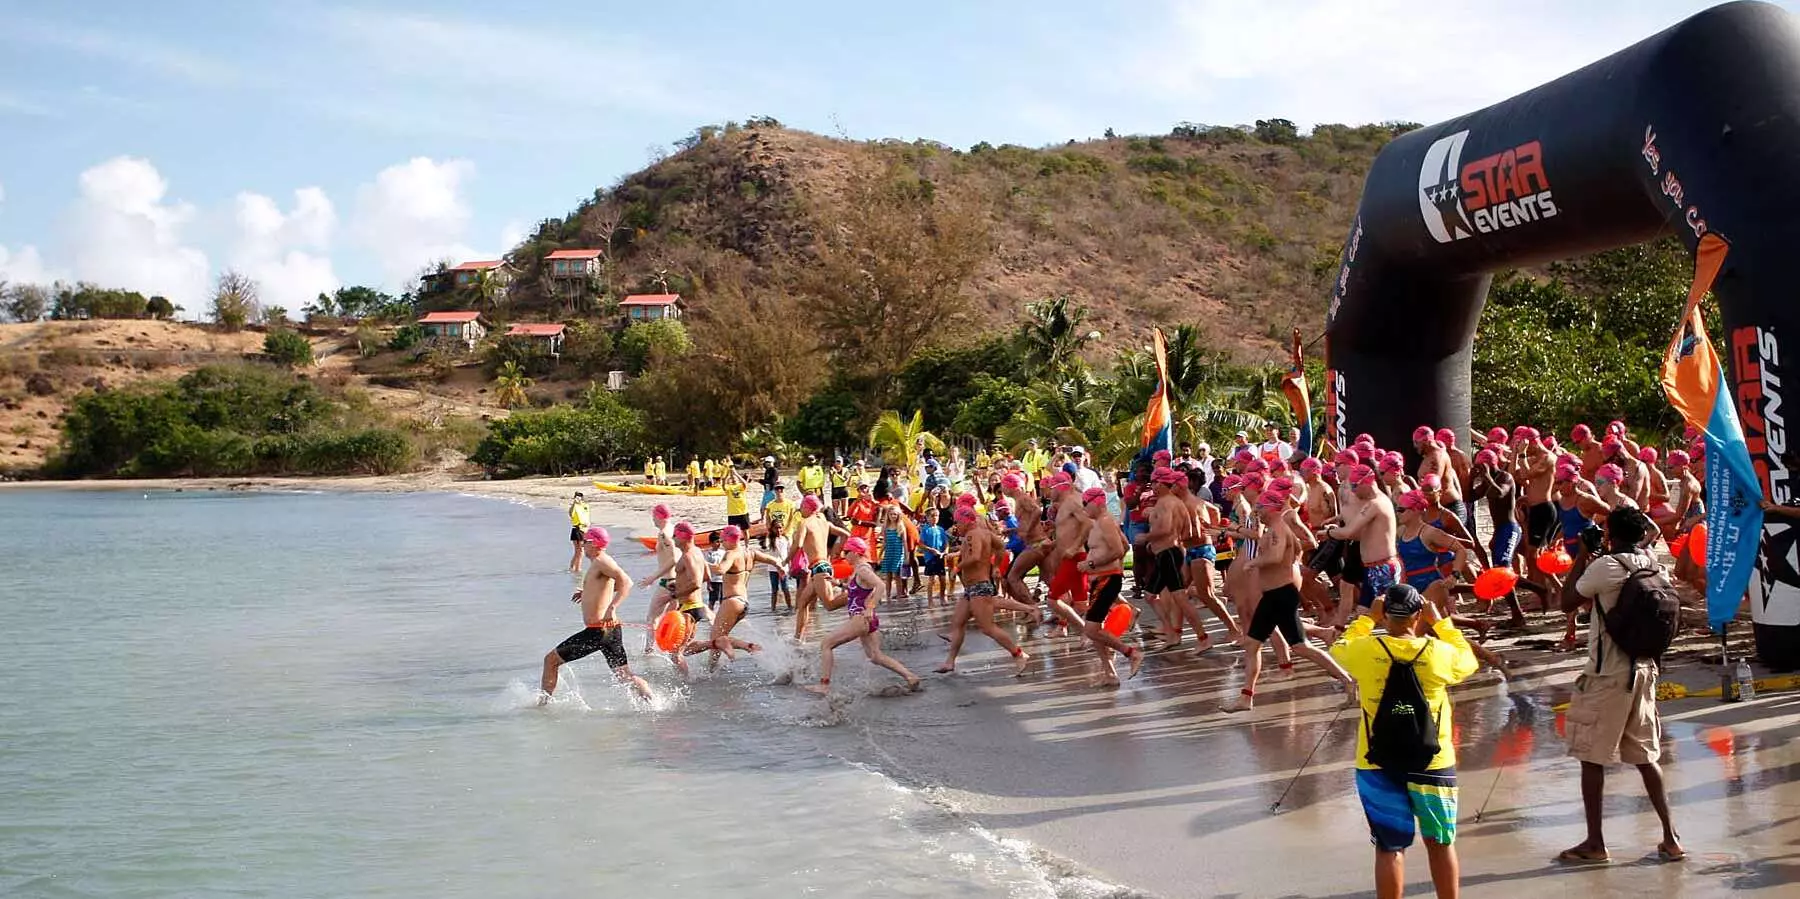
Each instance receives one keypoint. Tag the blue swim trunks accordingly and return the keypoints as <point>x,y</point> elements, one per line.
<point>1504,544</point>
<point>1203,552</point>
<point>1400,805</point>
<point>1376,580</point>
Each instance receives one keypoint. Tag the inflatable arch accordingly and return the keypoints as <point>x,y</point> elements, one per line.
<point>1695,130</point>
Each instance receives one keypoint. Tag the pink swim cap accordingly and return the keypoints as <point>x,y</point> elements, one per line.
<point>964,514</point>
<point>1309,465</point>
<point>1565,474</point>
<point>1430,482</point>
<point>1616,427</point>
<point>1281,485</point>
<point>1581,433</point>
<point>1361,474</point>
<point>731,534</point>
<point>1161,457</point>
<point>1690,432</point>
<point>1243,454</point>
<point>1093,496</point>
<point>1389,463</point>
<point>1002,508</point>
<point>1279,466</point>
<point>1678,459</point>
<point>809,505</point>
<point>659,511</point>
<point>1364,438</point>
<point>1414,500</point>
<point>1233,482</point>
<point>1253,480</point>
<point>1648,454</point>
<point>1166,475</point>
<point>1487,457</point>
<point>1272,500</point>
<point>1012,483</point>
<point>965,499</point>
<point>684,531</point>
<point>1345,457</point>
<point>1255,465</point>
<point>1610,473</point>
<point>856,545</point>
<point>1421,433</point>
<point>1445,436</point>
<point>1496,435</point>
<point>1611,445</point>
<point>597,536</point>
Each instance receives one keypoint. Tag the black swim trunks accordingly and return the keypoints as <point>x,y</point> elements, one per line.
<point>697,613</point>
<point>608,641</point>
<point>576,536</point>
<point>1278,610</point>
<point>1168,571</point>
<point>1354,571</point>
<point>840,493</point>
<point>742,521</point>
<point>1103,592</point>
<point>1540,524</point>
<point>1328,559</point>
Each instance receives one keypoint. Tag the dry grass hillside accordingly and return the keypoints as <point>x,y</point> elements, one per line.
<point>1236,229</point>
<point>45,365</point>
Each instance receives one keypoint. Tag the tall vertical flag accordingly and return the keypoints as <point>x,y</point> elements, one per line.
<point>1294,385</point>
<point>1157,421</point>
<point>1693,379</point>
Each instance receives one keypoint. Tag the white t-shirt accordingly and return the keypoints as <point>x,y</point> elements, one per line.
<point>1281,450</point>
<point>1086,478</point>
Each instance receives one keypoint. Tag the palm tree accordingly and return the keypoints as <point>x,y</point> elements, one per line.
<point>487,288</point>
<point>900,441</point>
<point>510,385</point>
<point>1053,338</point>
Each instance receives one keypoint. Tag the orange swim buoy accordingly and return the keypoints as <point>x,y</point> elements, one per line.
<point>1119,618</point>
<point>1495,583</point>
<point>1696,545</point>
<point>1555,560</point>
<point>672,630</point>
<point>842,569</point>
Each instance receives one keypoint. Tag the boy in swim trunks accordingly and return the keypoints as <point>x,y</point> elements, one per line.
<point>603,590</point>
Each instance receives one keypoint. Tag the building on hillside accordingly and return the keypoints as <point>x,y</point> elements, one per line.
<point>549,334</point>
<point>649,307</point>
<point>465,328</point>
<point>468,275</point>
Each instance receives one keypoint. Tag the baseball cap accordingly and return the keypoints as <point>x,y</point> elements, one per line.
<point>1244,434</point>
<point>1402,601</point>
<point>1077,451</point>
<point>780,486</point>
<point>769,459</point>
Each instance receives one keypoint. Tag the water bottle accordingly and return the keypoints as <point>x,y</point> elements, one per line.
<point>1728,691</point>
<point>1746,685</point>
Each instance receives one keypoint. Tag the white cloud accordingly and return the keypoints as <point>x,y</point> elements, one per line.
<point>272,247</point>
<point>413,214</point>
<point>1329,61</point>
<point>123,233</point>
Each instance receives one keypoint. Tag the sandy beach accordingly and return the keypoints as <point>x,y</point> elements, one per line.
<point>1152,788</point>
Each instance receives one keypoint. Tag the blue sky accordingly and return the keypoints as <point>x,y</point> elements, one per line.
<point>311,144</point>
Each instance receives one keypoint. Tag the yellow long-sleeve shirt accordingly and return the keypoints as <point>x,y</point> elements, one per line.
<point>1449,661</point>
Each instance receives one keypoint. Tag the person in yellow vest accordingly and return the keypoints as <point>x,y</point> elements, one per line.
<point>709,472</point>
<point>737,505</point>
<point>1035,460</point>
<point>839,477</point>
<point>855,485</point>
<point>649,469</point>
<point>812,478</point>
<point>661,473</point>
<point>693,473</point>
<point>578,525</point>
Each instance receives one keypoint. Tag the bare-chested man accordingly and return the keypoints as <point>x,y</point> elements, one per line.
<point>1534,470</point>
<point>1344,564</point>
<point>1582,441</point>
<point>975,565</point>
<point>812,541</point>
<point>1276,570</point>
<point>1435,458</point>
<point>1372,527</point>
<point>1636,482</point>
<point>666,557</point>
<point>734,568</point>
<point>1068,586</point>
<point>689,584</point>
<point>1173,524</point>
<point>603,590</point>
<point>1030,537</point>
<point>1200,557</point>
<point>1105,555</point>
<point>1489,481</point>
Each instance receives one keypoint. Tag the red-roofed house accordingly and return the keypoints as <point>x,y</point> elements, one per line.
<point>550,334</point>
<point>649,307</point>
<point>574,274</point>
<point>466,274</point>
<point>466,328</point>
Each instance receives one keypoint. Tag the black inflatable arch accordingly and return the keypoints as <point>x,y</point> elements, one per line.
<point>1693,130</point>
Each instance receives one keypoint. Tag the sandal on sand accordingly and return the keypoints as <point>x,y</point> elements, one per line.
<point>1583,856</point>
<point>1666,854</point>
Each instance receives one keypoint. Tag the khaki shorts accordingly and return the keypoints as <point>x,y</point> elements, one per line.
<point>1611,720</point>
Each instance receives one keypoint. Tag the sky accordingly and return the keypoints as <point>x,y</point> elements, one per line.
<point>310,145</point>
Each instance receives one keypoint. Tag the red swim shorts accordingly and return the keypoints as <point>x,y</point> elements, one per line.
<point>1069,582</point>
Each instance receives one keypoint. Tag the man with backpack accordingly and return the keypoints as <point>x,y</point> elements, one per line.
<point>1405,755</point>
<point>1612,717</point>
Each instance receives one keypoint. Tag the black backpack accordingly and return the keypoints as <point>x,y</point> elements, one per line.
<point>1645,618</point>
<point>1403,735</point>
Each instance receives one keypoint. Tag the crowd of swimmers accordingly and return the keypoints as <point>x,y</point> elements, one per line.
<point>1302,555</point>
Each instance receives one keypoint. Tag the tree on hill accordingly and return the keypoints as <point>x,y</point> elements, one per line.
<point>161,309</point>
<point>894,259</point>
<point>645,342</point>
<point>288,348</point>
<point>510,385</point>
<point>902,441</point>
<point>25,302</point>
<point>1052,337</point>
<point>235,300</point>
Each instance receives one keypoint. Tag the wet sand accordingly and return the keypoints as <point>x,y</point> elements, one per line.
<point>1151,787</point>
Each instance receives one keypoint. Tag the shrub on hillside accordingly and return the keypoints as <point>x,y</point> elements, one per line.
<point>645,342</point>
<point>288,348</point>
<point>530,356</point>
<point>599,434</point>
<point>407,337</point>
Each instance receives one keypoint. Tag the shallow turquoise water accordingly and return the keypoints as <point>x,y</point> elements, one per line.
<point>213,694</point>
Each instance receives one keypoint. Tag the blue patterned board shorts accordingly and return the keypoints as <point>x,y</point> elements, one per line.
<point>1399,806</point>
<point>1376,581</point>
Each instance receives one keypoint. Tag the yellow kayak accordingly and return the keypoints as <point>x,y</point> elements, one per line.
<point>656,490</point>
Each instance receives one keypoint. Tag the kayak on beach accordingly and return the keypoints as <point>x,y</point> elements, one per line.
<point>656,489</point>
<point>703,539</point>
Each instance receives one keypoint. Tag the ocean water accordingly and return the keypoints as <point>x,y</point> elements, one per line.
<point>262,694</point>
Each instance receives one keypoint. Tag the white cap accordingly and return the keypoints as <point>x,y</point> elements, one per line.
<point>769,459</point>
<point>1077,451</point>
<point>1205,447</point>
<point>1244,434</point>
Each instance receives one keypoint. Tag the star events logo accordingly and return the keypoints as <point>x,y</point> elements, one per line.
<point>1493,193</point>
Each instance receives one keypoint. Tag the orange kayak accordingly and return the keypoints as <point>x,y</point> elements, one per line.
<point>702,539</point>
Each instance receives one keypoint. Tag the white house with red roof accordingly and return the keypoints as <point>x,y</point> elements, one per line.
<point>550,334</point>
<point>649,307</point>
<point>466,328</point>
